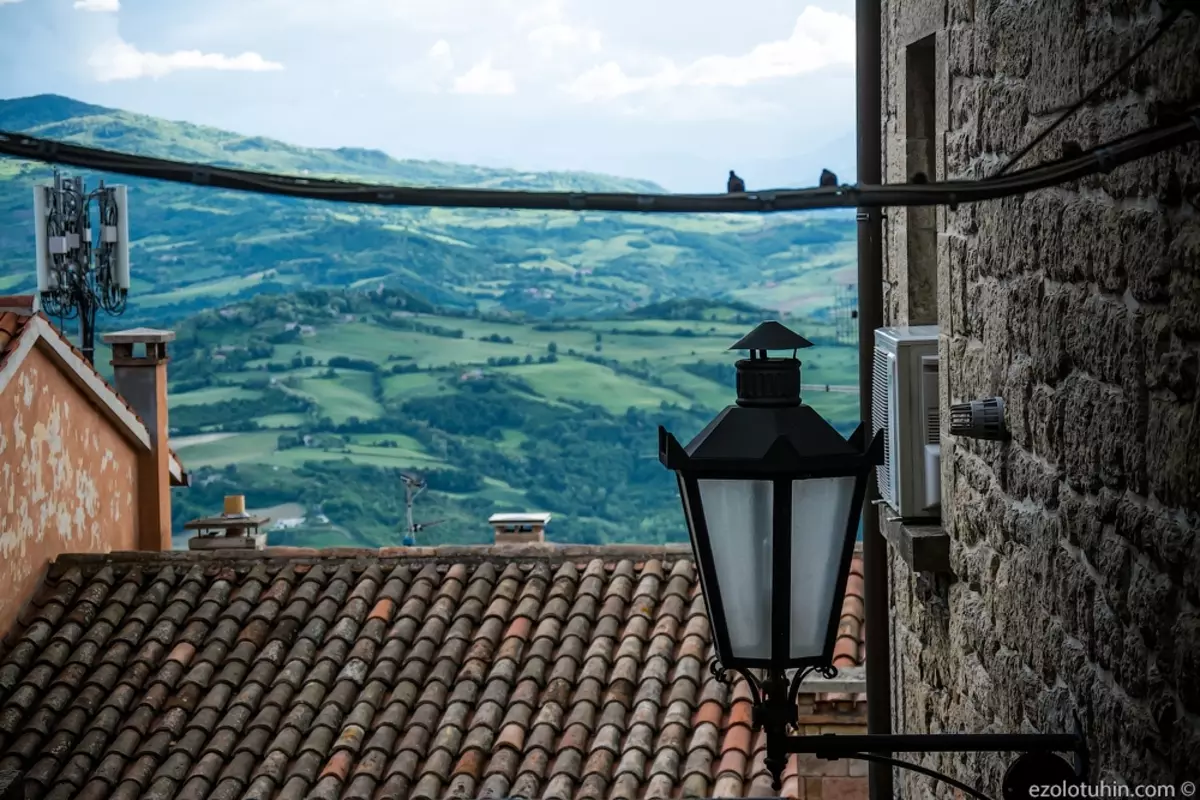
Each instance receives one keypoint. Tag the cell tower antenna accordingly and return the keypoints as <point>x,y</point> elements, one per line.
<point>81,270</point>
<point>845,312</point>
<point>413,486</point>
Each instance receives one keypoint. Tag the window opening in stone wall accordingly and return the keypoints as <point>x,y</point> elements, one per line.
<point>920,163</point>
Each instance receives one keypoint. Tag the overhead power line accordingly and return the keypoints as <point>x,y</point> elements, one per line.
<point>1139,145</point>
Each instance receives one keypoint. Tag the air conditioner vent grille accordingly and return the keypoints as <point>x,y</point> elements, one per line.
<point>881,388</point>
<point>933,427</point>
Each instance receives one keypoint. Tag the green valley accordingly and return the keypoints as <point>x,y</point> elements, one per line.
<point>196,248</point>
<point>515,360</point>
<point>322,398</point>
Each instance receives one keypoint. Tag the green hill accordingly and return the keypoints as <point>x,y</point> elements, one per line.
<point>517,360</point>
<point>197,248</point>
<point>319,399</point>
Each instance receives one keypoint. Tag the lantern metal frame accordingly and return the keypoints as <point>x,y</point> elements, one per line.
<point>781,466</point>
<point>770,435</point>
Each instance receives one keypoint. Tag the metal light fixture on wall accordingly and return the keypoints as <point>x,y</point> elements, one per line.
<point>772,495</point>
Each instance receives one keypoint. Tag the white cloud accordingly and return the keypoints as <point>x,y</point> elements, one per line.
<point>483,78</point>
<point>556,36</point>
<point>819,39</point>
<point>105,6</point>
<point>6,2</point>
<point>430,75</point>
<point>119,61</point>
<point>441,55</point>
<point>550,31</point>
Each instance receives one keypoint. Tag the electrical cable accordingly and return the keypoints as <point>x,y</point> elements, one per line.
<point>1100,159</point>
<point>1163,27</point>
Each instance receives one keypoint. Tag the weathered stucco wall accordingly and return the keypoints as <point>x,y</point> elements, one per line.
<point>1075,547</point>
<point>66,481</point>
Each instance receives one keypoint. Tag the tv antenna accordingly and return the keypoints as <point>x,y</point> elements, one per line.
<point>81,270</point>
<point>413,486</point>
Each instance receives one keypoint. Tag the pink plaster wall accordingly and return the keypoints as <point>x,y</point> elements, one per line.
<point>66,481</point>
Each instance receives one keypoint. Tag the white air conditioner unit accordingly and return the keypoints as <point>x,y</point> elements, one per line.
<point>905,407</point>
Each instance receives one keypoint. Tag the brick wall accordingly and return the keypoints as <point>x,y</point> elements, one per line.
<point>66,481</point>
<point>821,779</point>
<point>1075,548</point>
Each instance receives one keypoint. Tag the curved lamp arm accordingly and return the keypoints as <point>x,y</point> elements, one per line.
<point>932,773</point>
<point>775,711</point>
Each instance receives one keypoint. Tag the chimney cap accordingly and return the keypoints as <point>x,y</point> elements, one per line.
<point>527,518</point>
<point>140,336</point>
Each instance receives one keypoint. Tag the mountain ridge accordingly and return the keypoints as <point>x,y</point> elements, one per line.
<point>49,115</point>
<point>516,359</point>
<point>196,248</point>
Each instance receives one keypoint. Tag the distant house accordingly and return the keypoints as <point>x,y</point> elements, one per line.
<point>83,467</point>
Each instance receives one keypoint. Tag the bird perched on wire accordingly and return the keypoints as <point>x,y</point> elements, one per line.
<point>828,178</point>
<point>736,185</point>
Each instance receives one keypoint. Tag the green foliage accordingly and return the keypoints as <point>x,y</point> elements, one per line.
<point>196,248</point>
<point>507,416</point>
<point>515,359</point>
<point>233,415</point>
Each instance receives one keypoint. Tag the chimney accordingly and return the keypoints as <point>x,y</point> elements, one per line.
<point>517,529</point>
<point>139,359</point>
<point>25,305</point>
<point>234,529</point>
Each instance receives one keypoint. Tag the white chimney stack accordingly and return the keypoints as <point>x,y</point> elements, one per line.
<point>526,528</point>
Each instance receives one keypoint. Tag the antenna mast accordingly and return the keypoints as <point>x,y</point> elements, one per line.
<point>78,273</point>
<point>413,486</point>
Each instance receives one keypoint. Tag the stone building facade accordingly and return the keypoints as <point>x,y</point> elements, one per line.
<point>1074,577</point>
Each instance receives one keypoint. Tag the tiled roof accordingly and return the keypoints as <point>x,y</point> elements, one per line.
<point>11,325</point>
<point>401,673</point>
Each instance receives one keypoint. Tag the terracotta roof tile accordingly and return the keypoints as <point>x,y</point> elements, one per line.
<point>454,674</point>
<point>11,327</point>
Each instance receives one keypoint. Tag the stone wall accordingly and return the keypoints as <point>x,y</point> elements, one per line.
<point>1075,549</point>
<point>66,480</point>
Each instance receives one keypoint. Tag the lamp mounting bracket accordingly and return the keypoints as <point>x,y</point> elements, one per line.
<point>775,710</point>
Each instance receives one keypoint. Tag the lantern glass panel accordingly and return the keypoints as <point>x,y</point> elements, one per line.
<point>820,517</point>
<point>738,514</point>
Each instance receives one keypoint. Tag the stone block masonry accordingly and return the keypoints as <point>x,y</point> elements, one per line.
<point>1075,548</point>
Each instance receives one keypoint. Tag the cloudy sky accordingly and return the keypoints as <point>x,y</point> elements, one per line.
<point>678,91</point>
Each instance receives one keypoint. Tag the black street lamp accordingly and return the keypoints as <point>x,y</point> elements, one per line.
<point>772,495</point>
